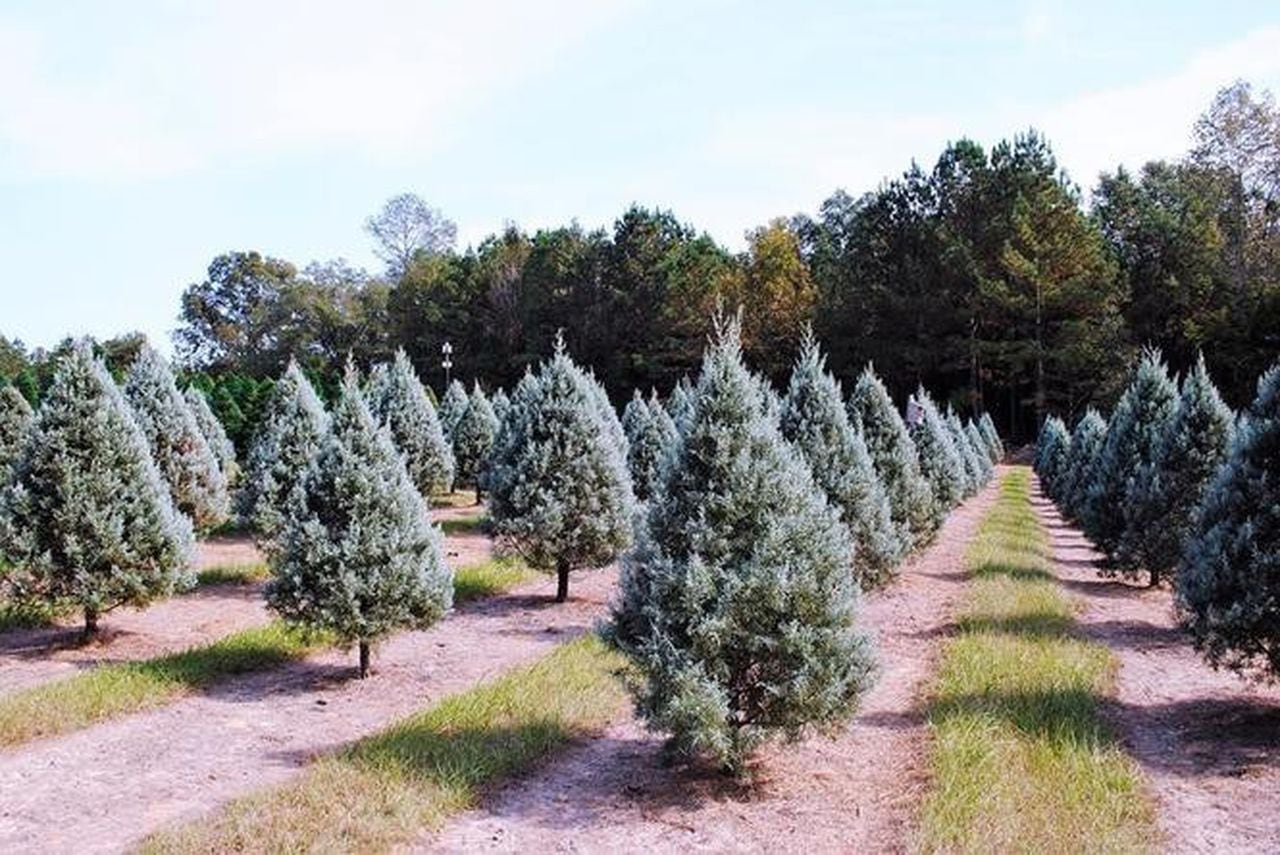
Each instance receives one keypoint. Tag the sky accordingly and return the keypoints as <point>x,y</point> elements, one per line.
<point>139,139</point>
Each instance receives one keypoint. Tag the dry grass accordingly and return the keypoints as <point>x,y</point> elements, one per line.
<point>388,789</point>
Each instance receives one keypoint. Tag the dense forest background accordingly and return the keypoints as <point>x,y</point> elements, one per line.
<point>987,277</point>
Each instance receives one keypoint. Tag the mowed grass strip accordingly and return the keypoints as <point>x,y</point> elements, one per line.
<point>234,574</point>
<point>112,690</point>
<point>388,789</point>
<point>474,524</point>
<point>1022,761</point>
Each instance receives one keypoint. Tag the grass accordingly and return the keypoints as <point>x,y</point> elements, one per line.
<point>111,690</point>
<point>1022,761</point>
<point>489,578</point>
<point>474,524</point>
<point>386,790</point>
<point>234,574</point>
<point>456,499</point>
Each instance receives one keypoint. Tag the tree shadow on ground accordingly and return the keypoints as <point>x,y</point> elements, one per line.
<point>1205,737</point>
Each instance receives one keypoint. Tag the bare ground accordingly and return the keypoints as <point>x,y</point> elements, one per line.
<point>857,792</point>
<point>29,657</point>
<point>1207,741</point>
<point>102,789</point>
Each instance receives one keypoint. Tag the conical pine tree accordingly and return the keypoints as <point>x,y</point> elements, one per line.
<point>1086,443</point>
<point>978,445</point>
<point>359,557</point>
<point>972,468</point>
<point>1053,449</point>
<point>560,493</point>
<point>473,437</point>
<point>1229,580</point>
<point>178,445</point>
<point>1162,500</point>
<point>894,456</point>
<point>224,451</point>
<point>940,460</point>
<point>16,419</point>
<point>452,407</point>
<point>814,420</point>
<point>87,515</point>
<point>1133,437</point>
<point>995,448</point>
<point>737,605</point>
<point>499,402</point>
<point>399,401</point>
<point>650,434</point>
<point>680,403</point>
<point>287,441</point>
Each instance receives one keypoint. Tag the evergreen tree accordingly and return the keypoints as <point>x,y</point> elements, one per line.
<point>224,451</point>
<point>87,515</point>
<point>1053,450</point>
<point>499,403</point>
<point>940,460</point>
<point>178,445</point>
<point>650,434</point>
<point>452,408</point>
<point>560,490</point>
<point>1086,443</point>
<point>894,455</point>
<point>288,439</point>
<point>680,403</point>
<point>1162,501</point>
<point>360,557</point>
<point>399,402</point>
<point>995,448</point>
<point>608,416</point>
<point>968,459</point>
<point>1133,437</point>
<point>1229,580</point>
<point>473,440</point>
<point>16,418</point>
<point>981,452</point>
<point>737,604</point>
<point>814,420</point>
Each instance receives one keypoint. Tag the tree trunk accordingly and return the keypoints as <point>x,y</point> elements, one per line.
<point>90,623</point>
<point>1155,577</point>
<point>479,494</point>
<point>1040,396</point>
<point>364,659</point>
<point>562,582</point>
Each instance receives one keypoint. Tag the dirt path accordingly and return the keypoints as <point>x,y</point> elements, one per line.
<point>32,656</point>
<point>29,657</point>
<point>104,788</point>
<point>856,793</point>
<point>1208,742</point>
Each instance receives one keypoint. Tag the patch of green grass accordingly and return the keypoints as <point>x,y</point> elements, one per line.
<point>489,578</point>
<point>234,574</point>
<point>456,499</point>
<point>1022,761</point>
<point>474,524</point>
<point>112,690</point>
<point>384,791</point>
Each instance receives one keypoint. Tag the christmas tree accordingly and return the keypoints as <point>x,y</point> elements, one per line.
<point>398,400</point>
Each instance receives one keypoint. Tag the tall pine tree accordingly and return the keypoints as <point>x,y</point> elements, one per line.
<point>87,515</point>
<point>737,604</point>
<point>1086,443</point>
<point>1229,581</point>
<point>650,433</point>
<point>359,557</point>
<point>940,460</point>
<point>893,454</point>
<point>814,420</point>
<point>995,448</point>
<point>178,445</point>
<point>452,407</point>
<point>224,451</point>
<point>16,418</point>
<point>473,440</point>
<point>1053,449</point>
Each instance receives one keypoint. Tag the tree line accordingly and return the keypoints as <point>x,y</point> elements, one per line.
<point>987,278</point>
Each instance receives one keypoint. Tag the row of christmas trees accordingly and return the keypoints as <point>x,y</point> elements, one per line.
<point>1177,485</point>
<point>750,521</point>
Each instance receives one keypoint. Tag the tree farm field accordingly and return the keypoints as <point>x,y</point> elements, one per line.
<point>941,515</point>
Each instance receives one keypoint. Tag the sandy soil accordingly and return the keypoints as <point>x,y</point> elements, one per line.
<point>858,792</point>
<point>32,656</point>
<point>1207,741</point>
<point>103,788</point>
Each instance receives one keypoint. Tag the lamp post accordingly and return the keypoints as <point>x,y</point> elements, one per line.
<point>446,350</point>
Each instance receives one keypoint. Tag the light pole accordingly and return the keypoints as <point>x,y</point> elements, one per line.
<point>446,350</point>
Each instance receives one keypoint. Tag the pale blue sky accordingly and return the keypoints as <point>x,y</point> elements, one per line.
<point>140,139</point>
